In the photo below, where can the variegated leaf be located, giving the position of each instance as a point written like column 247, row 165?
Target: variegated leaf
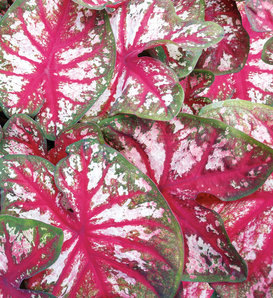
column 187, row 156
column 230, row 54
column 193, row 85
column 197, row 289
column 260, row 14
column 267, row 54
column 254, row 82
column 141, row 83
column 190, row 154
column 26, row 248
column 120, row 235
column 22, row 135
column 56, row 58
column 251, row 118
column 100, row 4
column 249, row 221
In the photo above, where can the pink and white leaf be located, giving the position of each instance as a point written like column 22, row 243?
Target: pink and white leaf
column 100, row 4
column 22, row 135
column 260, row 14
column 139, row 26
column 49, row 49
column 230, row 54
column 119, row 233
column 26, row 247
column 254, row 82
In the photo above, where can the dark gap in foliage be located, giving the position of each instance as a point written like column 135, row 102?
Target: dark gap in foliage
column 23, row 285
column 50, row 144
column 145, row 53
column 3, row 118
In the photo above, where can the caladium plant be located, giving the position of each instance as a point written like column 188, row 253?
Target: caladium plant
column 153, row 202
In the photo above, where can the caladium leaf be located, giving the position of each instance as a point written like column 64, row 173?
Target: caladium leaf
column 251, row 118
column 56, row 58
column 249, row 225
column 267, row 54
column 181, row 157
column 120, row 235
column 260, row 14
column 249, row 221
column 191, row 155
column 180, row 60
column 193, row 86
column 231, row 52
column 22, row 135
column 26, row 247
column 254, row 81
column 143, row 85
column 100, row 4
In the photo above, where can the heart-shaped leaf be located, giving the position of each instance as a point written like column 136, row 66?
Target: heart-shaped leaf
column 26, row 248
column 184, row 157
column 142, row 85
column 192, row 154
column 194, row 85
column 254, row 81
column 267, row 54
column 249, row 221
column 120, row 235
column 251, row 118
column 100, row 4
column 231, row 52
column 56, row 58
column 22, row 135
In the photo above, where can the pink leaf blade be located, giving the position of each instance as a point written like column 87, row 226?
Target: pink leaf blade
column 22, row 135
column 100, row 4
column 95, row 260
column 230, row 54
column 192, row 163
column 46, row 53
column 27, row 247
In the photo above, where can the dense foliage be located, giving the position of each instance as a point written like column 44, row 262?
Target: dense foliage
column 136, row 148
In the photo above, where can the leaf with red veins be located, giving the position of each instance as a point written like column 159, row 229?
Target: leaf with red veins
column 230, row 54
column 180, row 60
column 267, row 54
column 138, row 26
column 249, row 225
column 260, row 14
column 191, row 155
column 193, row 86
column 254, row 82
column 197, row 289
column 71, row 135
column 100, row 4
column 251, row 118
column 26, row 248
column 56, row 59
column 209, row 254
column 120, row 237
column 22, row 135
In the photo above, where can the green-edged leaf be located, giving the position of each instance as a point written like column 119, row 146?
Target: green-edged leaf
column 100, row 4
column 251, row 118
column 230, row 54
column 22, row 135
column 267, row 54
column 56, row 58
column 120, row 235
column 192, row 154
column 194, row 85
column 26, row 247
column 255, row 81
column 143, row 85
